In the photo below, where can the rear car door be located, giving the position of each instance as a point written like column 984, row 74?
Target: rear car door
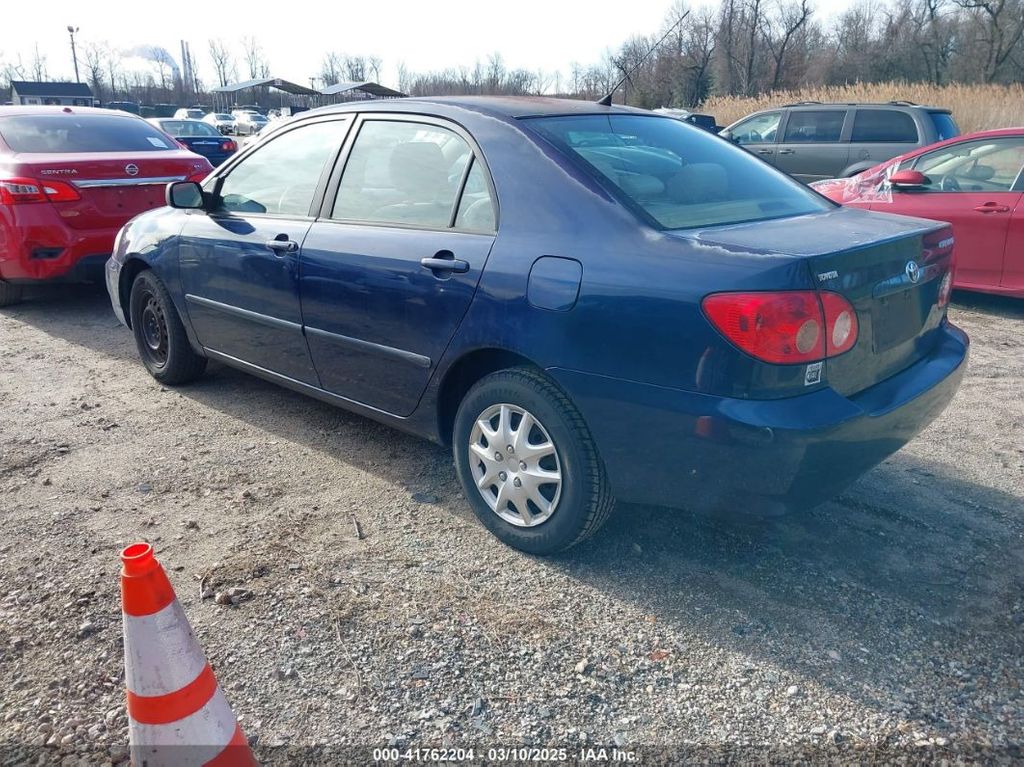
column 975, row 186
column 812, row 146
column 758, row 134
column 239, row 264
column 880, row 133
column 390, row 268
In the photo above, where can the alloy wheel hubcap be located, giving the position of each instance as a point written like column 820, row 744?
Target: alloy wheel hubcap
column 515, row 465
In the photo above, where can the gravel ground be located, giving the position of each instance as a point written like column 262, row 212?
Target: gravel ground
column 890, row 619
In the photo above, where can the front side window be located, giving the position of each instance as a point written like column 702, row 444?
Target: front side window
column 812, row 126
column 281, row 176
column 887, row 126
column 975, row 166
column 403, row 173
column 675, row 175
column 760, row 129
column 87, row 133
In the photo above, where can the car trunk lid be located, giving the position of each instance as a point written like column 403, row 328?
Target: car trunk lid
column 114, row 187
column 889, row 268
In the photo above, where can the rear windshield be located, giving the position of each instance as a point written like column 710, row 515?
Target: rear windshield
column 220, row 116
column 945, row 125
column 188, row 128
column 675, row 175
column 70, row 133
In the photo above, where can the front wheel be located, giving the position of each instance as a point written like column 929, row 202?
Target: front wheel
column 160, row 334
column 528, row 464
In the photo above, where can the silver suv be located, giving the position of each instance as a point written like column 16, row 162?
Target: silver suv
column 813, row 141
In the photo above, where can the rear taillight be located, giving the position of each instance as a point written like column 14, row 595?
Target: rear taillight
column 23, row 191
column 945, row 290
column 228, row 146
column 786, row 327
column 198, row 177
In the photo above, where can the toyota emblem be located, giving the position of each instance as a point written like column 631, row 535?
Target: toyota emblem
column 913, row 271
column 131, row 169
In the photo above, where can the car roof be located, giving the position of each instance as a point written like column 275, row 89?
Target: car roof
column 56, row 109
column 504, row 106
column 887, row 104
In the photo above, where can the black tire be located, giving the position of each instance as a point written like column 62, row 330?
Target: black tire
column 585, row 500
column 159, row 334
column 9, row 294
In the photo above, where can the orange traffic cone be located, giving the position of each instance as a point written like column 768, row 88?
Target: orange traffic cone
column 177, row 714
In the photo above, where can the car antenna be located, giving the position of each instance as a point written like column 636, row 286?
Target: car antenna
column 606, row 99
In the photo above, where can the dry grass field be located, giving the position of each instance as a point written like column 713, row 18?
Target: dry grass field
column 975, row 107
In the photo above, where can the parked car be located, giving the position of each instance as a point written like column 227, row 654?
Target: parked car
column 976, row 183
column 222, row 121
column 707, row 122
column 192, row 113
column 812, row 141
column 70, row 177
column 201, row 138
column 587, row 302
column 249, row 123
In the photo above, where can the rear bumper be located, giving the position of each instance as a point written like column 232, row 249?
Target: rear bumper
column 39, row 247
column 674, row 448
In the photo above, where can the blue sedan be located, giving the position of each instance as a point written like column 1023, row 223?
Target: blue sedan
column 587, row 303
column 200, row 137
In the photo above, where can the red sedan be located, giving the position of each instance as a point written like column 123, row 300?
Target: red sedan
column 70, row 178
column 976, row 183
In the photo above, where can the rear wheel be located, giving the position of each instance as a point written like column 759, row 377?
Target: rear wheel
column 160, row 334
column 528, row 464
column 9, row 294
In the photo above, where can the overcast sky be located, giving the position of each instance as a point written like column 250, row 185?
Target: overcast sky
column 295, row 34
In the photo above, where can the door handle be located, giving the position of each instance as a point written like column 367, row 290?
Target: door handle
column 765, row 151
column 281, row 244
column 787, row 151
column 445, row 261
column 993, row 207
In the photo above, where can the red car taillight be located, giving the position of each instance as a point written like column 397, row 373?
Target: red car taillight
column 945, row 290
column 198, row 177
column 785, row 327
column 23, row 191
column 228, row 146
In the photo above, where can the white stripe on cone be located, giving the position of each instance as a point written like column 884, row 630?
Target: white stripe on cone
column 188, row 742
column 160, row 653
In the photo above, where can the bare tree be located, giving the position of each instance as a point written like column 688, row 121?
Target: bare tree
column 779, row 32
column 1000, row 27
column 95, row 57
column 255, row 60
column 375, row 64
column 223, row 61
column 38, row 65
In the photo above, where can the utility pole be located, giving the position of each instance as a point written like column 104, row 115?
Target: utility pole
column 74, row 56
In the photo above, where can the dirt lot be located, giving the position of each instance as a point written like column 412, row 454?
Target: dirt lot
column 892, row 618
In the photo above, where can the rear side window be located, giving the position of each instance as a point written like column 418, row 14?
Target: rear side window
column 281, row 176
column 814, row 126
column 677, row 176
column 945, row 125
column 883, row 126
column 476, row 208
column 403, row 173
column 71, row 133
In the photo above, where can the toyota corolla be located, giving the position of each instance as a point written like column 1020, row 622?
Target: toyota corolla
column 587, row 303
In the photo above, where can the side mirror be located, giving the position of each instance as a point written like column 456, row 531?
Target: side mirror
column 908, row 180
column 187, row 195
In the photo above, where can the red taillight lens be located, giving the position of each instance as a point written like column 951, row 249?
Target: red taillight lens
column 198, row 177
column 23, row 191
column 840, row 324
column 945, row 290
column 229, row 146
column 786, row 327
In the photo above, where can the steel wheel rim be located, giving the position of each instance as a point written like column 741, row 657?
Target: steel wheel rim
column 515, row 465
column 154, row 329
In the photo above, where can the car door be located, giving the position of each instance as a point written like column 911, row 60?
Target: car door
column 239, row 263
column 390, row 267
column 812, row 146
column 879, row 133
column 975, row 186
column 758, row 134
